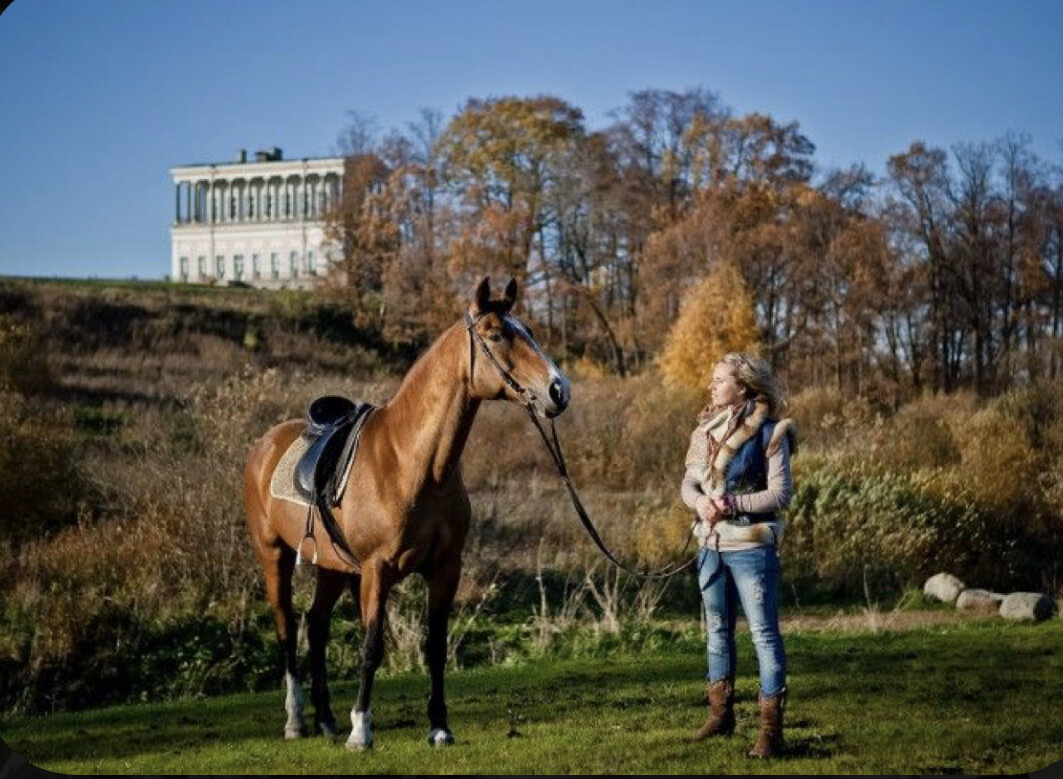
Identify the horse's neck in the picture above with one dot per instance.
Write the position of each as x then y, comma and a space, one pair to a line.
433, 411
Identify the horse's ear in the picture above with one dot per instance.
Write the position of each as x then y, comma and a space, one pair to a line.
511, 294
483, 294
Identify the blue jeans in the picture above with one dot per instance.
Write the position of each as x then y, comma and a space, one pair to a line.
752, 577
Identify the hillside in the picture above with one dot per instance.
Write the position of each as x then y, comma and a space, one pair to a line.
147, 342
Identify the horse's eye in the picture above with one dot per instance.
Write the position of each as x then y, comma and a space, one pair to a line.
495, 336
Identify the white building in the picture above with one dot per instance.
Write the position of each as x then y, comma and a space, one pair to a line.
256, 222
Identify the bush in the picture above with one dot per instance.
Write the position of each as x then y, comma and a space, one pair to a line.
856, 526
24, 364
40, 483
826, 419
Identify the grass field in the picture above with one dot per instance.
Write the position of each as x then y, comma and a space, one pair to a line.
972, 697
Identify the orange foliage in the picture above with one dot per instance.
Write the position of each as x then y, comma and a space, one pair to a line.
716, 318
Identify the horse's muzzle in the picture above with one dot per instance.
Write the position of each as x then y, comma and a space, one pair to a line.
560, 392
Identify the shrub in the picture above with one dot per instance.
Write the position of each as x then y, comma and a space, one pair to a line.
24, 364
855, 523
40, 483
826, 419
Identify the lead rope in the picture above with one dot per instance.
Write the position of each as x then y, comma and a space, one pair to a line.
559, 460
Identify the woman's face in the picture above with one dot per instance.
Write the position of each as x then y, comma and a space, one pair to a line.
726, 391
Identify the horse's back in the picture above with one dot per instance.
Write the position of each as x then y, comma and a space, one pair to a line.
261, 462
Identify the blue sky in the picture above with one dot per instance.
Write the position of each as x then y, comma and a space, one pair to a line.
98, 99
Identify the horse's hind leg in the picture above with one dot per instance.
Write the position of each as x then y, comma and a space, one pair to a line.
330, 586
279, 563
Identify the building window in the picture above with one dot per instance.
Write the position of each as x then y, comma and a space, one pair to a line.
232, 209
293, 265
311, 263
219, 266
201, 263
184, 269
274, 266
256, 266
238, 267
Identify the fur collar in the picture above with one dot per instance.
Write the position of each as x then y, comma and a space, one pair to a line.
712, 475
749, 428
784, 427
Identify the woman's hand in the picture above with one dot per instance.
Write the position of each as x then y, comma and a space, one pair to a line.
708, 511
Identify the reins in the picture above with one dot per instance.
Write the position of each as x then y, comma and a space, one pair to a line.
558, 456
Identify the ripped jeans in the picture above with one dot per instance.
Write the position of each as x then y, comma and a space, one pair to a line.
752, 577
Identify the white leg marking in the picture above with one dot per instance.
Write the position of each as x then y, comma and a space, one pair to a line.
293, 704
438, 737
361, 730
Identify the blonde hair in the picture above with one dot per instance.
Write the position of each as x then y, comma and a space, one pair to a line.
758, 379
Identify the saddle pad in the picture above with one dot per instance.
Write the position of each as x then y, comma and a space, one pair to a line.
282, 485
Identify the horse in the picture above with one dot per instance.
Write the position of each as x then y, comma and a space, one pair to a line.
405, 508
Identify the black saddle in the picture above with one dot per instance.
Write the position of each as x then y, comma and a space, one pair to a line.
333, 430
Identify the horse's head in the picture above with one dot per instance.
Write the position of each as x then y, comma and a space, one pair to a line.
506, 360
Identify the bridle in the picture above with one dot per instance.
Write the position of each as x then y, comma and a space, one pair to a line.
527, 399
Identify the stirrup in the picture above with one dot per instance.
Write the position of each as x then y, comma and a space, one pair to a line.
299, 559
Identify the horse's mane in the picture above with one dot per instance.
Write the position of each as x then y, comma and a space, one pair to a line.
420, 372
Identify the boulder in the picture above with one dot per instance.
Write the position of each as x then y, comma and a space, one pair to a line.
1027, 606
981, 601
943, 586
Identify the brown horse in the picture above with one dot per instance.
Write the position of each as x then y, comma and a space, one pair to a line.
405, 508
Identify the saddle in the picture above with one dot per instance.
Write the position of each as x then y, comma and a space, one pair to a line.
333, 432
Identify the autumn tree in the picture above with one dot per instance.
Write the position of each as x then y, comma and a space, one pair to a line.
716, 318
359, 224
500, 156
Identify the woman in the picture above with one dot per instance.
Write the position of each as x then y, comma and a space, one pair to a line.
737, 477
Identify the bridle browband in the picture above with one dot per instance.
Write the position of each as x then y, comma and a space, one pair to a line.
527, 399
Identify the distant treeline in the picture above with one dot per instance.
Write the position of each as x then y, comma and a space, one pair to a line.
945, 274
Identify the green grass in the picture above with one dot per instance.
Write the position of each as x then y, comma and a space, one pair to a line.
973, 697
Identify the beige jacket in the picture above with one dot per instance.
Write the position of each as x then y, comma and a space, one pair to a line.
704, 478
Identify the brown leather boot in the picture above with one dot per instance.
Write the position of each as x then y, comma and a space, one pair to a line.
769, 739
721, 721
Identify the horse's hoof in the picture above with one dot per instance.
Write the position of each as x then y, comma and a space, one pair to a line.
293, 733
361, 737
328, 729
440, 737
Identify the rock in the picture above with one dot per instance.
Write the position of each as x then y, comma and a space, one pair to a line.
981, 601
943, 586
1027, 606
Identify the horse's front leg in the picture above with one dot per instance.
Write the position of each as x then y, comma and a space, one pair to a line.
441, 589
376, 584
